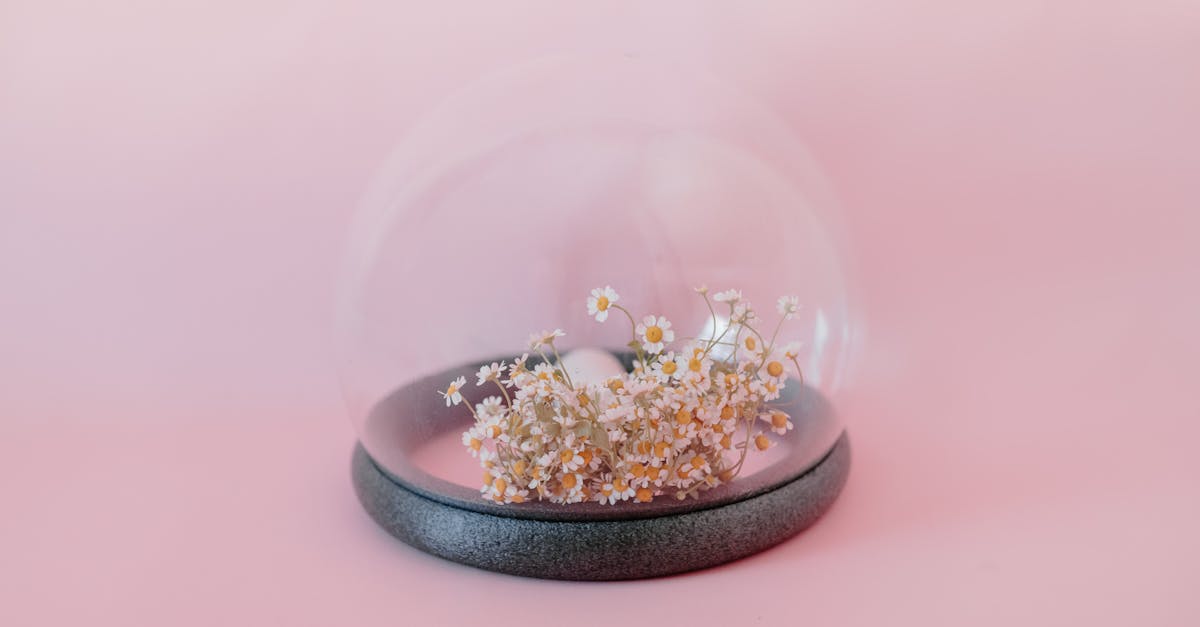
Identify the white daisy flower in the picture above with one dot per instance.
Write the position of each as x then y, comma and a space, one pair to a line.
493, 429
572, 485
544, 372
492, 407
655, 333
703, 289
774, 369
665, 367
570, 459
768, 390
622, 489
698, 463
778, 420
751, 346
545, 338
502, 491
788, 306
473, 440
605, 494
599, 302
743, 313
453, 393
696, 367
489, 372
728, 296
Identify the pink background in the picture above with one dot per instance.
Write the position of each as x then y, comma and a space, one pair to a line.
1021, 185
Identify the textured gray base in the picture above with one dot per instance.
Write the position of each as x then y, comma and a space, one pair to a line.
602, 549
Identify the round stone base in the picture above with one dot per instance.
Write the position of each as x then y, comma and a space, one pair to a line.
609, 549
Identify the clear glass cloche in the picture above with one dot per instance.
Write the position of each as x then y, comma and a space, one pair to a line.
503, 209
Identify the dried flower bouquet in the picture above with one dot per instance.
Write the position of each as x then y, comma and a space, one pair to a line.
681, 422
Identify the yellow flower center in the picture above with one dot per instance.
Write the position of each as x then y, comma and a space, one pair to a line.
750, 343
643, 447
761, 442
569, 481
475, 444
726, 413
654, 334
517, 498
616, 384
660, 449
644, 495
494, 431
519, 468
638, 470
774, 369
726, 442
694, 364
602, 303
731, 380
566, 456
697, 461
620, 484
779, 420
669, 367
451, 390
726, 474
683, 472
488, 478
587, 456
500, 484
683, 417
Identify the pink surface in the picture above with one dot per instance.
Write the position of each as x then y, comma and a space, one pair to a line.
1020, 181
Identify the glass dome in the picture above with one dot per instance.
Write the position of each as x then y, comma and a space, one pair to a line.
503, 209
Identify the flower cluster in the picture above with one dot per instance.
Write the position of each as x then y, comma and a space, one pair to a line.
681, 422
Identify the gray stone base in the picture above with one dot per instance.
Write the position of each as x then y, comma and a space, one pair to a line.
609, 549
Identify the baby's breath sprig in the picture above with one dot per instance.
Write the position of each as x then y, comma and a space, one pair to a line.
667, 427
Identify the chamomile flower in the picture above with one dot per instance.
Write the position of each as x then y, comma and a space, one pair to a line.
492, 406
694, 365
572, 485
606, 492
743, 314
453, 393
570, 459
545, 338
494, 429
622, 489
665, 367
601, 299
655, 333
788, 306
773, 368
490, 372
728, 296
473, 439
751, 346
779, 421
